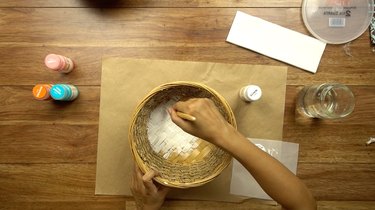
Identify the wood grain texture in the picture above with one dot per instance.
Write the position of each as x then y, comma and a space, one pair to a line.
46, 132
123, 203
76, 182
18, 105
187, 34
131, 27
95, 204
16, 62
47, 182
78, 144
345, 205
48, 149
339, 181
48, 143
252, 204
145, 3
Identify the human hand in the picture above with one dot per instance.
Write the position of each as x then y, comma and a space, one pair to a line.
209, 125
147, 194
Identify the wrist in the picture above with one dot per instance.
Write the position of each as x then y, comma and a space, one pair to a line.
224, 138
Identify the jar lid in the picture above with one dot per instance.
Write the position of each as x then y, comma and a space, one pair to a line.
253, 92
41, 91
53, 62
60, 92
337, 21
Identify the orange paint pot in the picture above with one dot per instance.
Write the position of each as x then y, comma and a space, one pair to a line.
41, 91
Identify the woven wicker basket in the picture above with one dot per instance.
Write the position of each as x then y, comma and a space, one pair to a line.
181, 170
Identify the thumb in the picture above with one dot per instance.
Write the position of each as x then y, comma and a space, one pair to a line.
147, 181
149, 175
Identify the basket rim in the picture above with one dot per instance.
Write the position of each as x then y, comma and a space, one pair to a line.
145, 168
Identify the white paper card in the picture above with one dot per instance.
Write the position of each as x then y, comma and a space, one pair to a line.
276, 41
242, 183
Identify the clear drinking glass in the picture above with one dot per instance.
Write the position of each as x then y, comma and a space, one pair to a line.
325, 101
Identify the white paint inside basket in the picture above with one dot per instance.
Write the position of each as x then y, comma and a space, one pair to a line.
166, 137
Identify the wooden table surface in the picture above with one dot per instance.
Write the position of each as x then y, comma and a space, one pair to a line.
48, 150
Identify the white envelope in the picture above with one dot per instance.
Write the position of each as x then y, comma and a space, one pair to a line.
276, 42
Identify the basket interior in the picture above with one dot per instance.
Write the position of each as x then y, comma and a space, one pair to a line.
197, 161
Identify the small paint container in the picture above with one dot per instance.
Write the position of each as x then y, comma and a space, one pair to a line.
250, 93
59, 63
64, 92
42, 91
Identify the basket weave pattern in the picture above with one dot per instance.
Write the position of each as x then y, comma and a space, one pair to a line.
182, 170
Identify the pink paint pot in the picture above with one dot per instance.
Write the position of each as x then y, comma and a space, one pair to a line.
59, 63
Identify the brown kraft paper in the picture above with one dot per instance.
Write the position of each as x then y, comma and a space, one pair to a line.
125, 82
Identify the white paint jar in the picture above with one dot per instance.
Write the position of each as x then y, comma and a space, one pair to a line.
250, 93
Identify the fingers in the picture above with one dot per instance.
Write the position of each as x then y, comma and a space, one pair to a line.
173, 114
144, 182
136, 184
148, 176
147, 181
185, 106
139, 177
176, 119
194, 105
145, 192
154, 188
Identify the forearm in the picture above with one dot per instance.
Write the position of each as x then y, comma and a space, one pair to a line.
275, 179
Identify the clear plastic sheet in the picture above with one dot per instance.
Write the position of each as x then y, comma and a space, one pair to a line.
242, 183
